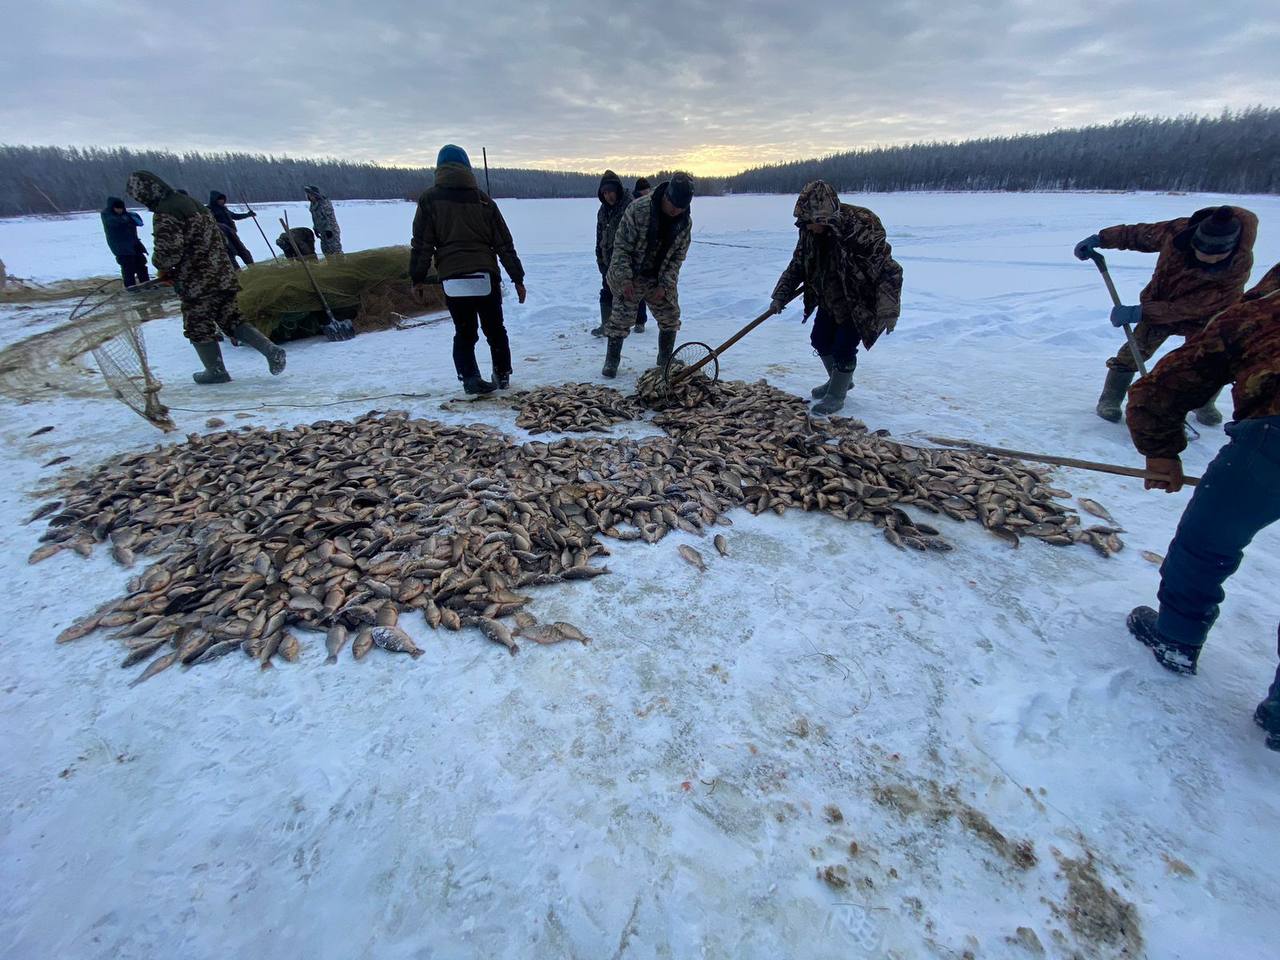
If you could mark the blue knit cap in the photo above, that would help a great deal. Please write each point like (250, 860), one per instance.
(452, 153)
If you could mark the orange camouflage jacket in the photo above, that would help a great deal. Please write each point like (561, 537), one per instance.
(1239, 346)
(1184, 294)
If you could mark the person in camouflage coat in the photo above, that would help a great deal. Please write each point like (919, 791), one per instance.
(325, 221)
(1205, 261)
(844, 259)
(189, 251)
(648, 250)
(1240, 492)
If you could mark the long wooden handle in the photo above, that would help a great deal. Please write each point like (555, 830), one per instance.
(1094, 465)
(1101, 263)
(690, 371)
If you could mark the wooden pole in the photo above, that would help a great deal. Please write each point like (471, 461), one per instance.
(1094, 465)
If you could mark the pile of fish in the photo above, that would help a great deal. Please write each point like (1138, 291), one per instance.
(573, 408)
(344, 527)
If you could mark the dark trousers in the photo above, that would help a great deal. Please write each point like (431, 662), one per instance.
(837, 340)
(606, 306)
(470, 315)
(1239, 495)
(133, 269)
(236, 248)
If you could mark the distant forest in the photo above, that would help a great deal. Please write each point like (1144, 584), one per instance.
(1235, 152)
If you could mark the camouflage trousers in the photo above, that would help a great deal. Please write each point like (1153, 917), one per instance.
(1149, 337)
(330, 246)
(213, 314)
(666, 311)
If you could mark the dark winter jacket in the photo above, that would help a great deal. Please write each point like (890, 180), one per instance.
(223, 215)
(1184, 293)
(1240, 346)
(189, 247)
(461, 227)
(607, 219)
(122, 230)
(649, 244)
(850, 271)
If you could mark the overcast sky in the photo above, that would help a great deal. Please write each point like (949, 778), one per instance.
(709, 86)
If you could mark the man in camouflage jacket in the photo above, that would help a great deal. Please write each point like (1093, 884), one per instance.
(1205, 261)
(188, 250)
(325, 222)
(1240, 492)
(648, 251)
(844, 259)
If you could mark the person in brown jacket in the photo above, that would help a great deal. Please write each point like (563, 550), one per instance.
(1240, 492)
(460, 227)
(1204, 263)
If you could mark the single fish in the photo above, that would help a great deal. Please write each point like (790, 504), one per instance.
(156, 665)
(692, 556)
(362, 643)
(495, 631)
(1150, 557)
(722, 545)
(219, 649)
(334, 641)
(387, 616)
(1097, 509)
(396, 640)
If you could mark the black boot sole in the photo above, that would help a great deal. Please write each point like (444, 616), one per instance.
(1169, 656)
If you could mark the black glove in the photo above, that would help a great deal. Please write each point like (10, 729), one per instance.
(1087, 247)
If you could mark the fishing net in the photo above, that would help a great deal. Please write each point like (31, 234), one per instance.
(117, 316)
(370, 287)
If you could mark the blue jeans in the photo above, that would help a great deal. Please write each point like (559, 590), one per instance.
(1239, 495)
(831, 339)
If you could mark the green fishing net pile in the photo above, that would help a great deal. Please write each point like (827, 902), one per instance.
(370, 287)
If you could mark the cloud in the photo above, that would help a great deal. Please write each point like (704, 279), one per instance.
(707, 85)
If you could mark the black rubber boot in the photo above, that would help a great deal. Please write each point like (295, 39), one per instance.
(1173, 656)
(612, 357)
(477, 385)
(1113, 392)
(214, 370)
(248, 333)
(666, 344)
(503, 380)
(1209, 414)
(837, 389)
(1267, 716)
(820, 391)
(604, 319)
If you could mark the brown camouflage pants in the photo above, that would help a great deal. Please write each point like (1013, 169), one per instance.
(213, 314)
(666, 311)
(1149, 337)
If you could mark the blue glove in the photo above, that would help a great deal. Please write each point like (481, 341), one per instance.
(1121, 315)
(1085, 248)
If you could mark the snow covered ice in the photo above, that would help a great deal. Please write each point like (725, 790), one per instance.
(821, 747)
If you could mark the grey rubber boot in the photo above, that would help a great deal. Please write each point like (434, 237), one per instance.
(666, 344)
(612, 357)
(820, 391)
(1113, 392)
(1209, 414)
(248, 333)
(833, 400)
(215, 370)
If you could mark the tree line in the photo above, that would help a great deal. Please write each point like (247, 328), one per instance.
(1234, 152)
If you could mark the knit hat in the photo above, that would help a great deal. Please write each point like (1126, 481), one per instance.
(680, 190)
(1217, 233)
(643, 184)
(818, 203)
(452, 153)
(610, 181)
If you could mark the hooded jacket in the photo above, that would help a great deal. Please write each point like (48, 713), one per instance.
(122, 230)
(459, 226)
(849, 270)
(1184, 293)
(1240, 346)
(639, 249)
(188, 246)
(323, 219)
(222, 214)
(607, 219)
